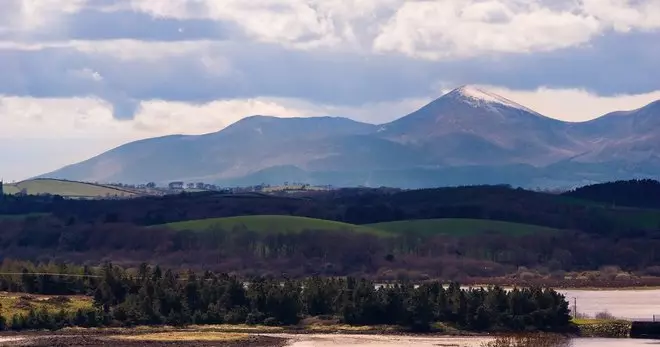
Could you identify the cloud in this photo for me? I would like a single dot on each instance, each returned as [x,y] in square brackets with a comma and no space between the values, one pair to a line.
[103,72]
[575,104]
[439,29]
[447,29]
[23,19]
[91,118]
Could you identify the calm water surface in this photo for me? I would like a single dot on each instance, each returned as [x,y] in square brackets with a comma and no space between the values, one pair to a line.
[627,304]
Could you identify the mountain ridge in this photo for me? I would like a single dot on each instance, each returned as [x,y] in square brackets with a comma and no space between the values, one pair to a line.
[468,129]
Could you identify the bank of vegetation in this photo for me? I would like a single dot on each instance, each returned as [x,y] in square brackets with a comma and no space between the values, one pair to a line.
[479,234]
[151,296]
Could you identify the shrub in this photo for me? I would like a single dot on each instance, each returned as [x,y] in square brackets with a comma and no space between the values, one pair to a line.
[536,340]
[605,316]
[271,322]
[58,300]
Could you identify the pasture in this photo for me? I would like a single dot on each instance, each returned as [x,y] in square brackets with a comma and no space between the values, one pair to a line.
[271,224]
[20,303]
[67,189]
[459,227]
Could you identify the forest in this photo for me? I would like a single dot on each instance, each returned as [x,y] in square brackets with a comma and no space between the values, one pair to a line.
[152,296]
[601,226]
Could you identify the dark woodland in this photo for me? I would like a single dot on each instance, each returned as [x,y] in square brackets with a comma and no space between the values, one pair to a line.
[151,296]
[612,224]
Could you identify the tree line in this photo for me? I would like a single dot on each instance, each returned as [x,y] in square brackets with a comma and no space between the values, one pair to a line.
[593,235]
[151,295]
[410,255]
[591,209]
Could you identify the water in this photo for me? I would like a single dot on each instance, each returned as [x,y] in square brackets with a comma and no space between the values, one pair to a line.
[624,304]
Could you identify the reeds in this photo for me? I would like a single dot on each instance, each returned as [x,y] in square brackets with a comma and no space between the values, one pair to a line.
[530,340]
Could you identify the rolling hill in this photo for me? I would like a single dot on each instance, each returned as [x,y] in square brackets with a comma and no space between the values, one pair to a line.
[68,189]
[272,224]
[460,227]
[293,224]
[468,136]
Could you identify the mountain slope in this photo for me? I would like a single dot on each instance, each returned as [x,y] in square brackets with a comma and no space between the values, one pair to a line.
[625,136]
[472,126]
[468,136]
[246,146]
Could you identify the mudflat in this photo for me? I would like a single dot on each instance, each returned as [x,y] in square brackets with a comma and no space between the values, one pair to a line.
[38,340]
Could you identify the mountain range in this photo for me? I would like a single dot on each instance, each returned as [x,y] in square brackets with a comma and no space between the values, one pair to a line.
[467,136]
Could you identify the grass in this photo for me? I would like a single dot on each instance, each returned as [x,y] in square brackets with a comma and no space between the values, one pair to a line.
[604,328]
[530,340]
[273,224]
[175,336]
[22,216]
[460,227]
[20,303]
[292,224]
[66,189]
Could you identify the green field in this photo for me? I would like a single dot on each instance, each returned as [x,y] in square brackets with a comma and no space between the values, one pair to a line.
[22,216]
[459,227]
[292,224]
[273,224]
[19,303]
[66,189]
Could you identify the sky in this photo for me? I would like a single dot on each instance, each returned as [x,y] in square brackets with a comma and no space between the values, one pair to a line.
[78,77]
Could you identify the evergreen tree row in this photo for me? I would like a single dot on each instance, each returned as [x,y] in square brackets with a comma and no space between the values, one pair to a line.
[151,296]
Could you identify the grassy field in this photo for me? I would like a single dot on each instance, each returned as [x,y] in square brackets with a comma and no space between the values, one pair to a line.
[459,227]
[66,188]
[292,224]
[274,224]
[20,303]
[185,336]
[22,216]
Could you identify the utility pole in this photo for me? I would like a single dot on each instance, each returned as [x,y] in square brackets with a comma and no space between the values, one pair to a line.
[574,307]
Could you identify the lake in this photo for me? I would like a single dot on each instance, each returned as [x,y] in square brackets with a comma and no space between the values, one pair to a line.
[625,304]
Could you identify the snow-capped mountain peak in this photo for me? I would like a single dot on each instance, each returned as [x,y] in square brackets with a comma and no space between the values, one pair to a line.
[477,97]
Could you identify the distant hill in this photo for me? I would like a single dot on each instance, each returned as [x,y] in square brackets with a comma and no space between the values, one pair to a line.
[270,224]
[460,227]
[68,189]
[632,193]
[468,136]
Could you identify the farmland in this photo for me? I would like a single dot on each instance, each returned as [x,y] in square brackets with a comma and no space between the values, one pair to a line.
[460,227]
[292,224]
[271,224]
[17,303]
[67,189]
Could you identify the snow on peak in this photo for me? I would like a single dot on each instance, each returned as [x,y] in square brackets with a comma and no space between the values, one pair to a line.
[478,97]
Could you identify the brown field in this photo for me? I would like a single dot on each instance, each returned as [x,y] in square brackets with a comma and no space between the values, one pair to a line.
[20,303]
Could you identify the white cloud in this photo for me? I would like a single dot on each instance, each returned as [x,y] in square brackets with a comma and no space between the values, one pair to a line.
[625,15]
[91,118]
[129,49]
[575,105]
[446,29]
[68,130]
[433,29]
[30,16]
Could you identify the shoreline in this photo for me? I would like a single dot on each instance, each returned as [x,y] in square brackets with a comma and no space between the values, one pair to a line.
[581,330]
